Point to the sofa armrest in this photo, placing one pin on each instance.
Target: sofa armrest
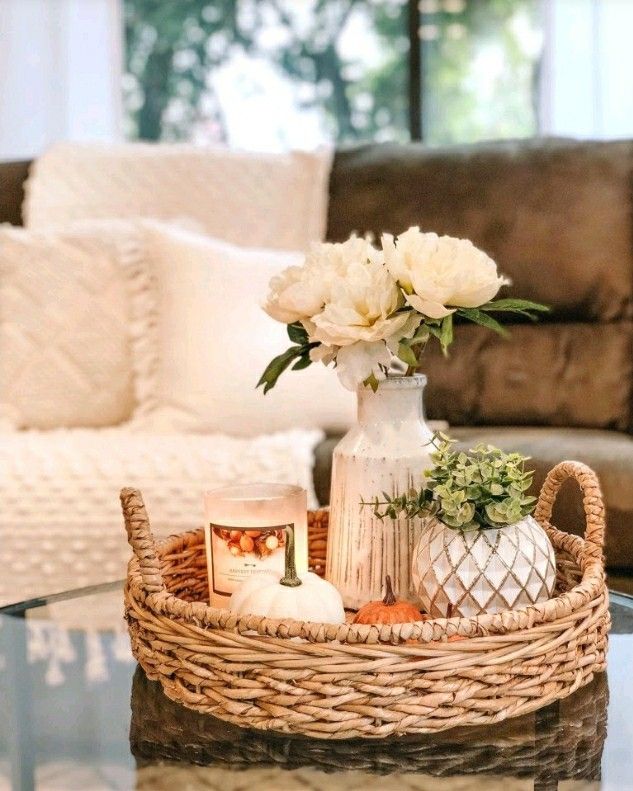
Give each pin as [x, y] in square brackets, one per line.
[12, 178]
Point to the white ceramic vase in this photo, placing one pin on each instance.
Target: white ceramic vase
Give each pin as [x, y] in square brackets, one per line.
[387, 450]
[482, 571]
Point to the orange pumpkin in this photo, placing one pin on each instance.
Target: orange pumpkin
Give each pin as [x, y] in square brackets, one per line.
[388, 610]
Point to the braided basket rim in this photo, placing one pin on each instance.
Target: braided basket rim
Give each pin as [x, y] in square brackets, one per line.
[146, 586]
[591, 588]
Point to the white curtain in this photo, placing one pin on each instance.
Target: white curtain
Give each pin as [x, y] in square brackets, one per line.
[587, 76]
[60, 73]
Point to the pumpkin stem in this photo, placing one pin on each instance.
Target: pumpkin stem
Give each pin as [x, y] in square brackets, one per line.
[389, 594]
[290, 577]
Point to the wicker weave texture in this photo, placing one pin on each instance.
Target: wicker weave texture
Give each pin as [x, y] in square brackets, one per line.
[351, 680]
[561, 741]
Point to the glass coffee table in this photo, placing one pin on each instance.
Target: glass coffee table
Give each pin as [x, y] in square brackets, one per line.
[77, 713]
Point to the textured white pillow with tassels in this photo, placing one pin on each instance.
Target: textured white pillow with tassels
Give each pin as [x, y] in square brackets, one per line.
[75, 305]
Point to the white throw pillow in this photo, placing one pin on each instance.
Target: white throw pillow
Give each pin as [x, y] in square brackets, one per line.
[250, 199]
[72, 304]
[213, 342]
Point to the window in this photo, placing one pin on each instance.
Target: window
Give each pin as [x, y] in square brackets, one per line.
[267, 73]
[480, 69]
[273, 74]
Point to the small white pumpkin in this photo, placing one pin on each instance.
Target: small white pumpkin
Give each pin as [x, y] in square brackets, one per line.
[288, 596]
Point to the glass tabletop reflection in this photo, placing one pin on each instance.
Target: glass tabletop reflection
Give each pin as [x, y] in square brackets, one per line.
[77, 713]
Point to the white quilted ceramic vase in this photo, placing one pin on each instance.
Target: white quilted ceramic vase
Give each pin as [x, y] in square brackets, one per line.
[388, 450]
[482, 571]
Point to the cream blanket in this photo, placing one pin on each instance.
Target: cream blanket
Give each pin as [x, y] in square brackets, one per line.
[60, 519]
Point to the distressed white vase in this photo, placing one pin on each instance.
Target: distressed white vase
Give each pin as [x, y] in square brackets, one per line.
[387, 450]
[482, 571]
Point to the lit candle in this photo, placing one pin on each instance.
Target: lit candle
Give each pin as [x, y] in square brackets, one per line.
[245, 532]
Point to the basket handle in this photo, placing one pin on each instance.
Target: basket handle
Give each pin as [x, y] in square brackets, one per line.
[140, 538]
[592, 502]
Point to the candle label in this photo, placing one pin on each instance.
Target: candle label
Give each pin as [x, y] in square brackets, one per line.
[234, 553]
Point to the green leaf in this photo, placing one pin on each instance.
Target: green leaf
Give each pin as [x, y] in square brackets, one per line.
[514, 305]
[436, 332]
[446, 333]
[478, 317]
[407, 355]
[277, 366]
[420, 337]
[297, 333]
[303, 362]
[372, 382]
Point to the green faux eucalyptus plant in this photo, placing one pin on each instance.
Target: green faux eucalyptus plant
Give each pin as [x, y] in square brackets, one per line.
[479, 489]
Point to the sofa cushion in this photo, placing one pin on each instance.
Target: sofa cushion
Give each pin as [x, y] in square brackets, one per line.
[251, 199]
[609, 453]
[555, 215]
[568, 374]
[60, 520]
[71, 307]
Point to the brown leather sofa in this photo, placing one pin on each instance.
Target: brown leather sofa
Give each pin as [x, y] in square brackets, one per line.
[557, 216]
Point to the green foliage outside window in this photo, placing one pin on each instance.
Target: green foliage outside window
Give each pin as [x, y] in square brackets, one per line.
[172, 47]
[480, 69]
[480, 63]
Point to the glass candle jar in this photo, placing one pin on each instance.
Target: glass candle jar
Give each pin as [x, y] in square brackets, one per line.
[245, 532]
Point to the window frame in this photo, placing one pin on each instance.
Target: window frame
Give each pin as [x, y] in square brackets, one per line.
[416, 107]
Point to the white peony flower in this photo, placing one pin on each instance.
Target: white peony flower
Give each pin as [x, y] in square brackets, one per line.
[324, 354]
[440, 273]
[362, 306]
[350, 304]
[332, 259]
[301, 292]
[365, 310]
[408, 330]
[295, 294]
[355, 363]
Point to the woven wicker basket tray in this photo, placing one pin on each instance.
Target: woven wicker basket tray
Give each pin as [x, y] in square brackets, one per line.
[347, 680]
